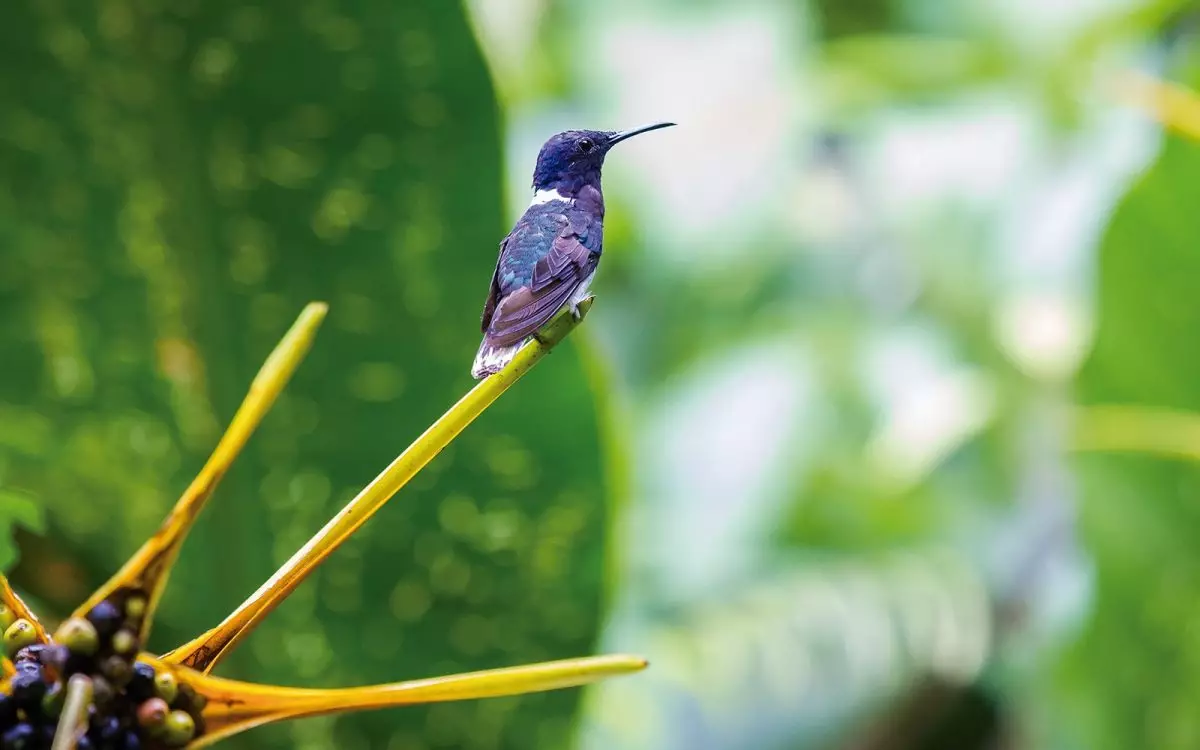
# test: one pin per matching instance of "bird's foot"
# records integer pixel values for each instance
(573, 307)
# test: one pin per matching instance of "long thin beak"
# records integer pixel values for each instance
(624, 134)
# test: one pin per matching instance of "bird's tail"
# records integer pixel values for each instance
(492, 358)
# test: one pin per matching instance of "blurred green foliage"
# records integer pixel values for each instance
(16, 511)
(176, 181)
(923, 51)
(981, 244)
(840, 19)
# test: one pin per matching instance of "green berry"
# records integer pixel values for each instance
(52, 701)
(124, 642)
(153, 713)
(167, 686)
(102, 692)
(7, 617)
(117, 670)
(187, 698)
(78, 635)
(179, 729)
(19, 635)
(135, 607)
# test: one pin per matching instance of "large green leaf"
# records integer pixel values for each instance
(176, 181)
(1134, 678)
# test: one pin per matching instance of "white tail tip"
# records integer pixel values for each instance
(492, 359)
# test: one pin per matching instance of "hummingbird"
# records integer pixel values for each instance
(548, 260)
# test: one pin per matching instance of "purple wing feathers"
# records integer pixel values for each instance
(489, 306)
(555, 278)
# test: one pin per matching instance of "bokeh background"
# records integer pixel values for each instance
(852, 446)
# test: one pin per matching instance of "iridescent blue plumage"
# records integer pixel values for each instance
(548, 259)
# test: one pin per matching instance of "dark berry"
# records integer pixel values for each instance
(30, 653)
(106, 618)
(29, 667)
(132, 741)
(8, 711)
(42, 654)
(78, 664)
(185, 698)
(141, 683)
(83, 743)
(27, 691)
(20, 737)
(53, 656)
(102, 692)
(107, 730)
(189, 700)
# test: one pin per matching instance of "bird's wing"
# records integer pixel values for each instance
(555, 278)
(489, 306)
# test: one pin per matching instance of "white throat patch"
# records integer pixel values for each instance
(547, 196)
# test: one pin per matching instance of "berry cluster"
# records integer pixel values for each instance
(133, 706)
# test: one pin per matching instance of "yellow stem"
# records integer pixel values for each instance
(1138, 429)
(1175, 107)
(9, 598)
(203, 652)
(147, 571)
(234, 707)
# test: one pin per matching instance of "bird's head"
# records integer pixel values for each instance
(572, 159)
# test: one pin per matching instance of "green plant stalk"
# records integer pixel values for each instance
(74, 713)
(1137, 429)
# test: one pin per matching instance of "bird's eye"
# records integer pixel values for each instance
(585, 145)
